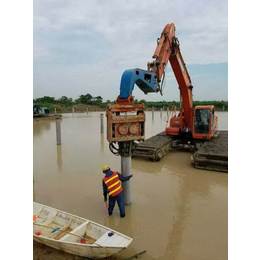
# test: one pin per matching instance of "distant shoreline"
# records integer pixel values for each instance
(148, 107)
(69, 110)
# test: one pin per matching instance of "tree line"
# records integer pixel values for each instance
(64, 101)
(88, 99)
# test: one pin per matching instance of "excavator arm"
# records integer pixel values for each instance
(125, 120)
(168, 49)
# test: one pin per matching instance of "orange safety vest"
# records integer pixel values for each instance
(113, 184)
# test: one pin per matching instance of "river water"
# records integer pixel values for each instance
(177, 211)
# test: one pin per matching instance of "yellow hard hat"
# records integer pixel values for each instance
(105, 168)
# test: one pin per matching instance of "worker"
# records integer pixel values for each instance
(112, 186)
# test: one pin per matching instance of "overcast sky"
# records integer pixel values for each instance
(84, 46)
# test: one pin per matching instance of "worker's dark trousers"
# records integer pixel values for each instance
(120, 201)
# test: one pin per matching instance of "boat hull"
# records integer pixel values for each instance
(100, 243)
(80, 250)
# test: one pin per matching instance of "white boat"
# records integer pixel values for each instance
(76, 235)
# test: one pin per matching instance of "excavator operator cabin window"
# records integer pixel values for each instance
(202, 121)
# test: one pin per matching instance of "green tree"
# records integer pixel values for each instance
(65, 101)
(97, 100)
(45, 99)
(142, 101)
(84, 99)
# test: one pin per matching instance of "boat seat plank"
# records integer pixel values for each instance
(77, 231)
(59, 232)
(115, 240)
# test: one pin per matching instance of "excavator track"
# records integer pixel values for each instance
(213, 154)
(208, 155)
(154, 148)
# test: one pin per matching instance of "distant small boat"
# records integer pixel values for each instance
(46, 117)
(76, 235)
(37, 115)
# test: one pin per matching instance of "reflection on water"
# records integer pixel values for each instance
(177, 212)
(102, 141)
(59, 158)
(39, 128)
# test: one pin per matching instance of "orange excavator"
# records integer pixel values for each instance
(125, 120)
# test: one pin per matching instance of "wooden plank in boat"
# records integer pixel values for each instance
(115, 240)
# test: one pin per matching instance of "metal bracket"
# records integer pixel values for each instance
(125, 122)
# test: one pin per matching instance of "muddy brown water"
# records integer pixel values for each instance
(177, 211)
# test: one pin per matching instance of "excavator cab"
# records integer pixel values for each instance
(205, 122)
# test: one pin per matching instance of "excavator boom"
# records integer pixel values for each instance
(126, 119)
(168, 49)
